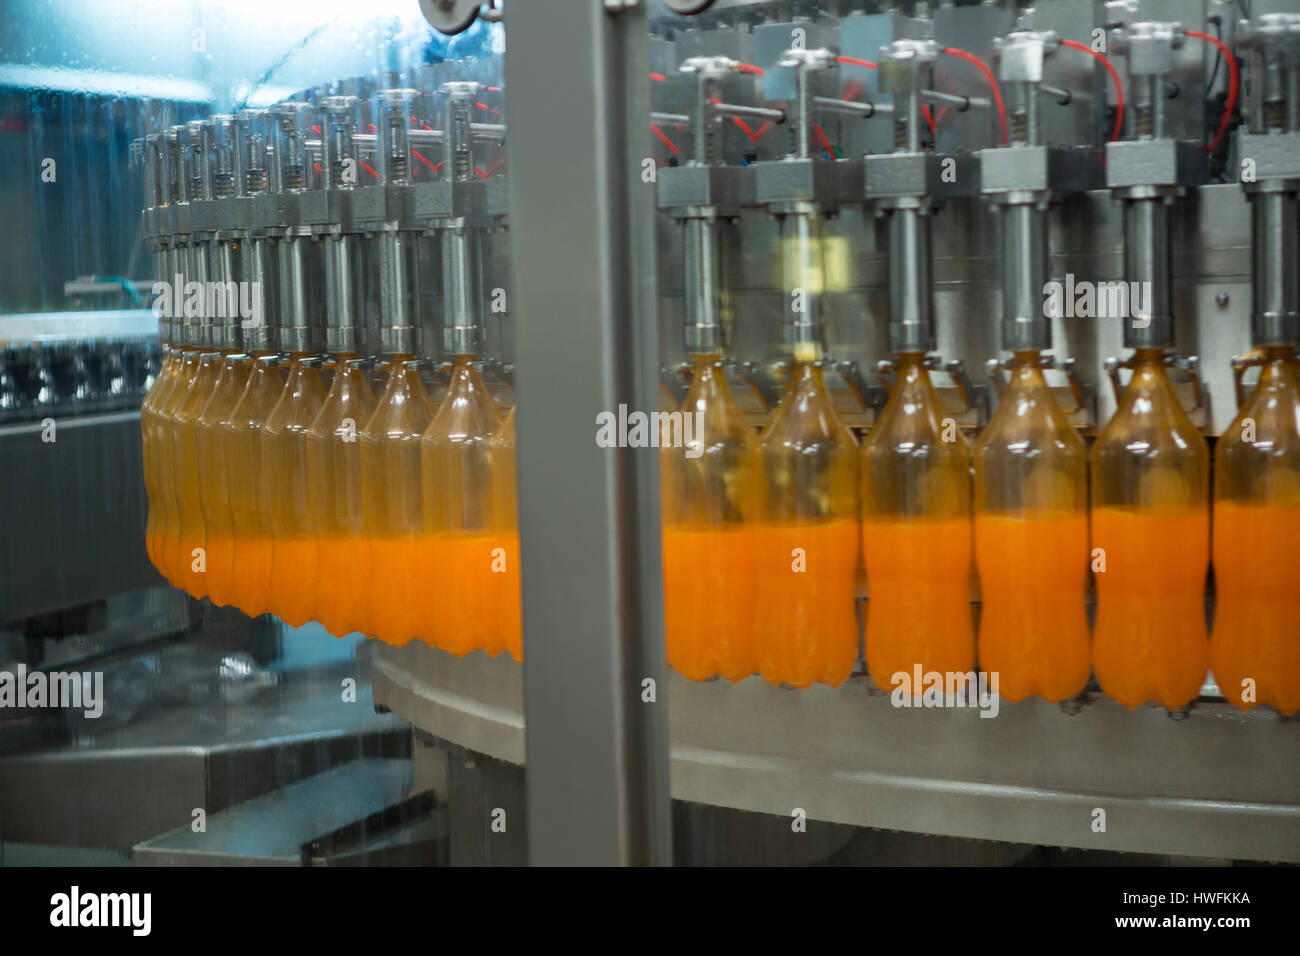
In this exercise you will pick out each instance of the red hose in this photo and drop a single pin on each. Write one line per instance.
(1114, 78)
(1233, 85)
(988, 75)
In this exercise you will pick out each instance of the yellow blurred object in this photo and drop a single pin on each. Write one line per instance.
(337, 502)
(152, 452)
(1255, 649)
(214, 486)
(1031, 542)
(191, 568)
(174, 564)
(288, 495)
(806, 550)
(392, 488)
(916, 534)
(710, 503)
(459, 543)
(506, 595)
(250, 516)
(1151, 522)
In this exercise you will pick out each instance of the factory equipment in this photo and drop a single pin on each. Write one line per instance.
(833, 192)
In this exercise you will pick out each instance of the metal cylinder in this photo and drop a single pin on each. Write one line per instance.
(462, 287)
(802, 256)
(1276, 284)
(1024, 276)
(1148, 269)
(703, 279)
(458, 141)
(259, 333)
(911, 306)
(399, 334)
(394, 137)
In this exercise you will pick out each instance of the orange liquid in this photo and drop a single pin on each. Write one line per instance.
(1150, 640)
(470, 604)
(399, 588)
(709, 601)
(509, 607)
(293, 578)
(805, 624)
(918, 612)
(1034, 626)
(1257, 617)
(343, 583)
(251, 573)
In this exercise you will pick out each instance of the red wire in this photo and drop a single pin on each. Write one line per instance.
(416, 154)
(658, 77)
(988, 75)
(826, 144)
(929, 117)
(664, 139)
(1232, 89)
(491, 169)
(856, 62)
(1114, 78)
(749, 68)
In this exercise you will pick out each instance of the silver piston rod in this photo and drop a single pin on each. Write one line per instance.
(461, 266)
(251, 132)
(398, 249)
(337, 130)
(1148, 268)
(289, 176)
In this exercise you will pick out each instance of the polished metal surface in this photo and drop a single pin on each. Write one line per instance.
(1031, 774)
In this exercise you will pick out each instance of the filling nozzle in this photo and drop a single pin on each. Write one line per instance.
(339, 162)
(189, 260)
(290, 123)
(157, 196)
(219, 158)
(1273, 117)
(398, 248)
(250, 156)
(461, 241)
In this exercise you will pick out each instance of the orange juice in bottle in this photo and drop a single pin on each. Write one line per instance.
(459, 542)
(916, 535)
(175, 565)
(250, 517)
(1031, 542)
(709, 478)
(214, 487)
(505, 596)
(393, 508)
(286, 487)
(806, 542)
(1255, 647)
(334, 478)
(192, 551)
(150, 445)
(1151, 522)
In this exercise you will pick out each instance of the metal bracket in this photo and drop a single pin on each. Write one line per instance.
(1240, 363)
(1191, 365)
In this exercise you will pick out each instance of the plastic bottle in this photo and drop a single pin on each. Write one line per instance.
(392, 486)
(1255, 648)
(151, 452)
(287, 491)
(710, 503)
(916, 536)
(174, 564)
(1031, 542)
(214, 486)
(459, 517)
(191, 567)
(250, 515)
(337, 503)
(805, 623)
(505, 596)
(1151, 520)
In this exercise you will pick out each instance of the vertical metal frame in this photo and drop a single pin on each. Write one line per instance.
(582, 225)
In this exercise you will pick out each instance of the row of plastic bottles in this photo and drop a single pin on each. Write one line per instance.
(392, 516)
(762, 537)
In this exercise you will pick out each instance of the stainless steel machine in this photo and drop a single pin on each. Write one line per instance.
(630, 184)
